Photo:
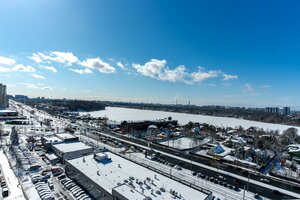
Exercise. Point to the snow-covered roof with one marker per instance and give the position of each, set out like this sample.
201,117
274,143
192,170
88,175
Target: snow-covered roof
65,136
7,111
111,175
51,156
52,139
182,143
71,146
130,193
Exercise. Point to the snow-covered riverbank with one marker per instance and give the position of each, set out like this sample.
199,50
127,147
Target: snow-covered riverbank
120,114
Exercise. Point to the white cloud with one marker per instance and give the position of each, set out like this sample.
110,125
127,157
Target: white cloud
82,71
227,77
37,76
50,68
98,64
17,68
178,74
159,70
64,57
30,85
36,57
7,61
152,68
4,69
46,88
57,56
23,68
248,88
201,75
39,86
121,65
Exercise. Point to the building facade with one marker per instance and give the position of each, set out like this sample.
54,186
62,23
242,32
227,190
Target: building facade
286,111
272,110
3,96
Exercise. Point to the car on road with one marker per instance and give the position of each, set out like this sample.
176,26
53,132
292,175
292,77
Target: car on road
264,180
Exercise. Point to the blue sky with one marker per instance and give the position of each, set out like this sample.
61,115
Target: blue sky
208,52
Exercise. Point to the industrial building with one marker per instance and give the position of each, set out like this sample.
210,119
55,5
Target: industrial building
69,150
109,177
67,137
50,140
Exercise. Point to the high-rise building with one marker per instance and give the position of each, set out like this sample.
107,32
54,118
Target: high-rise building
3,96
272,110
286,111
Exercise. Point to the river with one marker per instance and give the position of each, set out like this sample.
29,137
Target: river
120,114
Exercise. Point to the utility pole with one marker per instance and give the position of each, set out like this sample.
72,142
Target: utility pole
248,181
244,192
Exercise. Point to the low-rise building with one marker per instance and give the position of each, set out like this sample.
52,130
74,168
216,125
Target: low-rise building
67,137
69,150
108,177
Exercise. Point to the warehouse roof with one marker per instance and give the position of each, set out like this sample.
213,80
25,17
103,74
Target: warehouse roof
131,179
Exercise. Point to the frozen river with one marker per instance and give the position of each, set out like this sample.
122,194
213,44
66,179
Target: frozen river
120,114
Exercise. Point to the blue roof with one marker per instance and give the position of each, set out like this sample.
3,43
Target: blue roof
218,149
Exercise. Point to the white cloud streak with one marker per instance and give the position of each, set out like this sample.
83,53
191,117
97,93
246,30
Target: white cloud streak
23,68
121,65
4,69
39,86
50,68
7,61
37,76
82,71
201,75
248,88
57,56
227,77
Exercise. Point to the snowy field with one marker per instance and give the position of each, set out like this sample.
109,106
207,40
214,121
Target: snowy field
120,114
181,143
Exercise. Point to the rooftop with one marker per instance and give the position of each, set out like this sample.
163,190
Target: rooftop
7,111
52,139
181,143
132,180
71,146
65,136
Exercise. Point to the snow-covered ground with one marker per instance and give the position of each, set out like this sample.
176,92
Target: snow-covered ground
15,191
181,143
120,114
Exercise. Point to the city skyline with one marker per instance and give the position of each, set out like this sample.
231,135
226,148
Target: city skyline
246,55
